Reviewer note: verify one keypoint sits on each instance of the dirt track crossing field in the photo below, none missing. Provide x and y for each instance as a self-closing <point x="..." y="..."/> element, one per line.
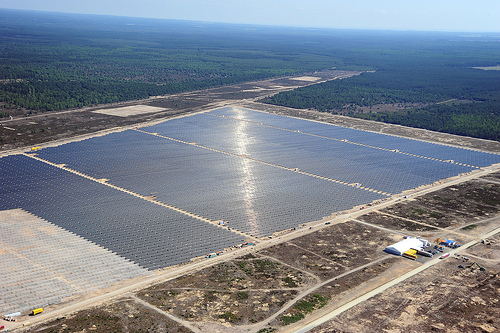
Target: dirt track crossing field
<point x="294" y="278"/>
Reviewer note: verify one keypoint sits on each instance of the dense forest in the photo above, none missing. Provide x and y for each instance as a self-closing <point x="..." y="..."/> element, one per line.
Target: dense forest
<point x="51" y="61"/>
<point x="432" y="86"/>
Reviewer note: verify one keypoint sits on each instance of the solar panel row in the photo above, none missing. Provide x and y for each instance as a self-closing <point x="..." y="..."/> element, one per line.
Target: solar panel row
<point x="253" y="197"/>
<point x="378" y="169"/>
<point x="146" y="233"/>
<point x="421" y="148"/>
<point x="45" y="264"/>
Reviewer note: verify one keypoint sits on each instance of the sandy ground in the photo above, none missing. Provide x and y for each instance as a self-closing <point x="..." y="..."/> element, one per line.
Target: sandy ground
<point x="128" y="111"/>
<point x="306" y="78"/>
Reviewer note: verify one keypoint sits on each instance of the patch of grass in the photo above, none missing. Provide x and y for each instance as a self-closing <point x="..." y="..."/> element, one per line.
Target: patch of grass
<point x="315" y="302"/>
<point x="249" y="256"/>
<point x="418" y="211"/>
<point x="470" y="227"/>
<point x="242" y="295"/>
<point x="289" y="282"/>
<point x="263" y="265"/>
<point x="229" y="316"/>
<point x="290" y="319"/>
<point x="210" y="296"/>
<point x="436" y="215"/>
<point x="303" y="307"/>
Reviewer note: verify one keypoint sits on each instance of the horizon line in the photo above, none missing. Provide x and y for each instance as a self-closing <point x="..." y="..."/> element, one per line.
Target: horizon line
<point x="305" y="27"/>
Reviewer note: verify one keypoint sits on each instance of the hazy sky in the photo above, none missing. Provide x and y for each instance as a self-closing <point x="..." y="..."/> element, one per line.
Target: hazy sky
<point x="440" y="15"/>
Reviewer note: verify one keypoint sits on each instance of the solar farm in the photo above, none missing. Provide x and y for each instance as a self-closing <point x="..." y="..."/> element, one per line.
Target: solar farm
<point x="152" y="197"/>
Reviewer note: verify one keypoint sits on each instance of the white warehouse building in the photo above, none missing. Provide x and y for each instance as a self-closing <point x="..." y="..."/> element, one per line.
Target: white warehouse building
<point x="406" y="244"/>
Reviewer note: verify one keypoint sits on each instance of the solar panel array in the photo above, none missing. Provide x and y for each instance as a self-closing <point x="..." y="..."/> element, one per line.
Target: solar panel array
<point x="253" y="197"/>
<point x="151" y="235"/>
<point x="241" y="169"/>
<point x="421" y="148"/>
<point x="44" y="264"/>
<point x="378" y="169"/>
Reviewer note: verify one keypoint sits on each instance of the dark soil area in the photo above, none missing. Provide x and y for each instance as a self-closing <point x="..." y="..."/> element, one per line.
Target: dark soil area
<point x="333" y="250"/>
<point x="236" y="307"/>
<point x="305" y="260"/>
<point x="349" y="244"/>
<point x="242" y="291"/>
<point x="444" y="298"/>
<point x="495" y="176"/>
<point x="394" y="223"/>
<point x="452" y="206"/>
<point x="415" y="212"/>
<point x="123" y="316"/>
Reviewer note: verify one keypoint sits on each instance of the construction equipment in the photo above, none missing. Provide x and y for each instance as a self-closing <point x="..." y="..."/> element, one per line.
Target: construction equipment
<point x="471" y="266"/>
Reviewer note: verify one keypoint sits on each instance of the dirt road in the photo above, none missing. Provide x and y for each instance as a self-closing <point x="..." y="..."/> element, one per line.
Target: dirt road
<point x="316" y="322"/>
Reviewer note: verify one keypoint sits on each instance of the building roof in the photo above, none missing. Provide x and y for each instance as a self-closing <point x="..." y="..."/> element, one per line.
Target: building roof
<point x="400" y="247"/>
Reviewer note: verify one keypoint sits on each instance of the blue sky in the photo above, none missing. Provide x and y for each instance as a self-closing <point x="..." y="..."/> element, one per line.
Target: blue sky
<point x="429" y="15"/>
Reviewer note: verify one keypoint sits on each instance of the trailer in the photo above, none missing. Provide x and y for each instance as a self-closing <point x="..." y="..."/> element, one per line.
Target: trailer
<point x="410" y="254"/>
<point x="36" y="311"/>
<point x="424" y="253"/>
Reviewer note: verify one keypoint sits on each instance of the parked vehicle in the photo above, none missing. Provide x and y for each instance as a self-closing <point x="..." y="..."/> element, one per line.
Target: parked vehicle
<point x="36" y="311"/>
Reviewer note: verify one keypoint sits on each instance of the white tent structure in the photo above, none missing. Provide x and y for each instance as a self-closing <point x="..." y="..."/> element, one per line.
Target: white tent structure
<point x="401" y="247"/>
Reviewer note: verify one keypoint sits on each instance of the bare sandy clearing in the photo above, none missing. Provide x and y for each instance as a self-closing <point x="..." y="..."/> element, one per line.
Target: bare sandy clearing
<point x="306" y="78"/>
<point x="491" y="68"/>
<point x="131" y="110"/>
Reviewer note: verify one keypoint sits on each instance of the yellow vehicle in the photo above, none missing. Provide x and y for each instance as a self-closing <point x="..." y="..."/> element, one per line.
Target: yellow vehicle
<point x="411" y="254"/>
<point x="36" y="311"/>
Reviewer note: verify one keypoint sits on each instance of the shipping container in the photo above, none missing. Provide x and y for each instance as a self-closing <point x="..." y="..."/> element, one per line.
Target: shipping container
<point x="36" y="311"/>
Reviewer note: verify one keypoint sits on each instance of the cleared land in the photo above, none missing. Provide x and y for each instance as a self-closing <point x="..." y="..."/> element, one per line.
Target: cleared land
<point x="25" y="128"/>
<point x="445" y="298"/>
<point x="303" y="277"/>
<point x="306" y="78"/>
<point x="491" y="68"/>
<point x="293" y="278"/>
<point x="131" y="110"/>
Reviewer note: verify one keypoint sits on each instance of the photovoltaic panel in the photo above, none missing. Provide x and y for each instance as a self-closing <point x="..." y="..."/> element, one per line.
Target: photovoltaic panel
<point x="378" y="169"/>
<point x="252" y="197"/>
<point x="240" y="170"/>
<point x="434" y="150"/>
<point x="146" y="233"/>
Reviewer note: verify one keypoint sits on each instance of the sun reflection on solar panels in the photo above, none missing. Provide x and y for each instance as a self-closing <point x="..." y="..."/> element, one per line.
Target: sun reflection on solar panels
<point x="247" y="184"/>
